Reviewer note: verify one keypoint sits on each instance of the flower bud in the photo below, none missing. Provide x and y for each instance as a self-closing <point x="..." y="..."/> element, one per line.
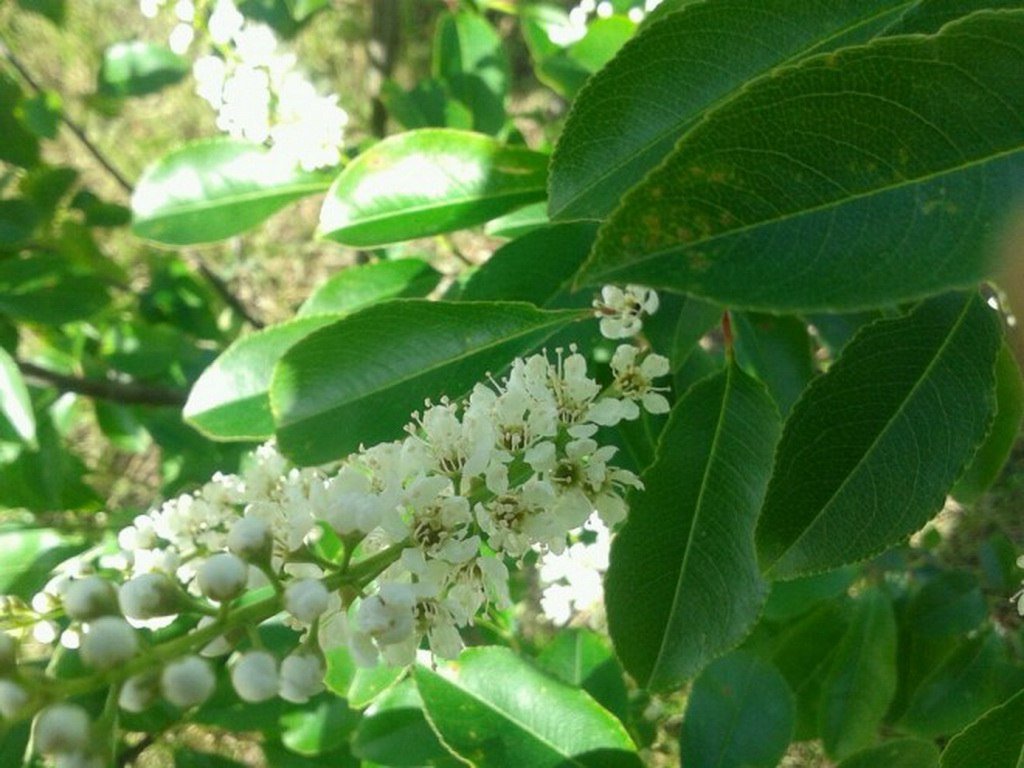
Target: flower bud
<point x="306" y="599"/>
<point x="149" y="596"/>
<point x="222" y="577"/>
<point x="88" y="598"/>
<point x="62" y="728"/>
<point x="250" y="538"/>
<point x="302" y="676"/>
<point x="255" y="677"/>
<point x="139" y="692"/>
<point x="8" y="653"/>
<point x="13" y="699"/>
<point x="110" y="642"/>
<point x="187" y="682"/>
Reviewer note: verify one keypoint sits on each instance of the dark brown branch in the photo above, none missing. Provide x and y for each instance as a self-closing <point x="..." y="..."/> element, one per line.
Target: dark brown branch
<point x="126" y="393"/>
<point x="224" y="291"/>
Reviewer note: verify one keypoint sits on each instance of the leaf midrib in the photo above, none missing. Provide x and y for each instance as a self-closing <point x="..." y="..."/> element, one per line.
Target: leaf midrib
<point x="884" y="431"/>
<point x="586" y="273"/>
<point x="698" y="510"/>
<point x="275" y="404"/>
<point x="712" y="106"/>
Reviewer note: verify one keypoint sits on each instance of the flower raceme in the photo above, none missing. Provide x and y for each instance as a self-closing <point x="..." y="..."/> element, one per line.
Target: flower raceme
<point x="401" y="543"/>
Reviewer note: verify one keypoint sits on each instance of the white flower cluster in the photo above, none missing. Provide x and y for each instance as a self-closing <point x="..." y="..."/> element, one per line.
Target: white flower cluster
<point x="1019" y="597"/>
<point x="257" y="91"/>
<point x="402" y="542"/>
<point x="572" y="581"/>
<point x="574" y="28"/>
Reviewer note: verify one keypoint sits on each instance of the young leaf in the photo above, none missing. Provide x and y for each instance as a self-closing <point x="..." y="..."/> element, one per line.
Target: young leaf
<point x="15" y="405"/>
<point x="898" y="753"/>
<point x="357" y="380"/>
<point x="683" y="585"/>
<point x="995" y="740"/>
<point x="136" y="68"/>
<point x="739" y="715"/>
<point x="993" y="453"/>
<point x="231" y="399"/>
<point x="631" y="114"/>
<point x="213" y="189"/>
<point x="908" y="398"/>
<point x="909" y="199"/>
<point x="360" y="286"/>
<point x="426" y="182"/>
<point x="862" y="678"/>
<point x="494" y="709"/>
<point x="470" y="59"/>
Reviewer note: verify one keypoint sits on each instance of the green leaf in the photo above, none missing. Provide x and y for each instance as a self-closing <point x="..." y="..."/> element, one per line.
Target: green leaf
<point x="974" y="678"/>
<point x="357" y="380"/>
<point x="426" y="182"/>
<point x="951" y="603"/>
<point x="862" y="677"/>
<point x="210" y="190"/>
<point x="584" y="659"/>
<point x="789" y="599"/>
<point x="929" y="16"/>
<point x="359" y="685"/>
<point x="633" y="112"/>
<point x="19" y="146"/>
<point x="995" y="740"/>
<point x="54" y="10"/>
<point x="41" y="113"/>
<point x="778" y="351"/>
<point x="537" y="267"/>
<point x="495" y="710"/>
<point x="15" y="405"/>
<point x="898" y="753"/>
<point x="360" y="286"/>
<point x="993" y="453"/>
<point x="470" y="59"/>
<point x="779" y="201"/>
<point x="231" y="399"/>
<point x="526" y="219"/>
<point x="683" y="585"/>
<point x="908" y="398"/>
<point x="399" y="736"/>
<point x="137" y="68"/>
<point x="18" y="221"/>
<point x="739" y="715"/>
<point x="28" y="557"/>
<point x="320" y="726"/>
<point x="45" y="288"/>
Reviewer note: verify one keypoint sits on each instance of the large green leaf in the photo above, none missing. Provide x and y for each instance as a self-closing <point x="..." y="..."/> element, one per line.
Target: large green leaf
<point x="739" y="715"/>
<point x="862" y="677"/>
<point x="781" y="200"/>
<point x="360" y="286"/>
<point x="213" y="189"/>
<point x="631" y="114"/>
<point x="28" y="557"/>
<point x="683" y="585"/>
<point x="496" y="710"/>
<point x="231" y="399"/>
<point x="136" y="68"/>
<point x="429" y="181"/>
<point x="908" y="398"/>
<point x="777" y="350"/>
<point x="47" y="288"/>
<point x="584" y="659"/>
<point x="357" y="380"/>
<point x="15" y="405"/>
<point x="899" y="753"/>
<point x="470" y="59"/>
<point x="929" y="16"/>
<point x="995" y="740"/>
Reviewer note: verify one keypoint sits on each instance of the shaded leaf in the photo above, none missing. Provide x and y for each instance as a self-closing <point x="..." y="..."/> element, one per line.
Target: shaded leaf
<point x="683" y="585"/>
<point x="137" y="68"/>
<point x="470" y="60"/>
<point x="584" y="659"/>
<point x="778" y="351"/>
<point x="898" y="753"/>
<point x="360" y="286"/>
<point x="909" y="397"/>
<point x="995" y="740"/>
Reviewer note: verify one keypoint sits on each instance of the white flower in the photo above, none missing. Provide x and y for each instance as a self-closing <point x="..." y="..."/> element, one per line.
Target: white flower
<point x="110" y="642"/>
<point x="148" y="596"/>
<point x="138" y="692"/>
<point x="62" y="729"/>
<point x="222" y="577"/>
<point x="622" y="310"/>
<point x="225" y="22"/>
<point x="85" y="599"/>
<point x="255" y="677"/>
<point x="250" y="538"/>
<point x="306" y="599"/>
<point x="302" y="677"/>
<point x="181" y="38"/>
<point x="187" y="682"/>
<point x="184" y="10"/>
<point x="13" y="699"/>
<point x="636" y="381"/>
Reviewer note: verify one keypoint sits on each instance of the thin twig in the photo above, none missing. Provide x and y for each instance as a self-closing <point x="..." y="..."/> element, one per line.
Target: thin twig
<point x="225" y="293"/>
<point x="126" y="393"/>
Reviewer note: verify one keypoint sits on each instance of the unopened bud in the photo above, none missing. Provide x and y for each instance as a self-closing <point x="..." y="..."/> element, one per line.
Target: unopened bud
<point x="61" y="729"/>
<point x="187" y="682"/>
<point x="149" y="596"/>
<point x="306" y="599"/>
<point x="250" y="538"/>
<point x="13" y="699"/>
<point x="302" y="676"/>
<point x="139" y="692"/>
<point x="89" y="598"/>
<point x="255" y="676"/>
<point x="222" y="577"/>
<point x="110" y="642"/>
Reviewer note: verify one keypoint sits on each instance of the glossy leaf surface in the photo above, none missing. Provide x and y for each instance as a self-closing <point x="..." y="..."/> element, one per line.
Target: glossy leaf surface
<point x="360" y="286"/>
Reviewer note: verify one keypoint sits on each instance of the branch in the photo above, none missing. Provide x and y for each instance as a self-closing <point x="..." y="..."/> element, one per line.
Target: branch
<point x="126" y="393"/>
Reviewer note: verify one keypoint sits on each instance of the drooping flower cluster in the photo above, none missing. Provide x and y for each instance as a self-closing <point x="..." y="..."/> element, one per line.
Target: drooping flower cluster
<point x="403" y="542"/>
<point x="258" y="92"/>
